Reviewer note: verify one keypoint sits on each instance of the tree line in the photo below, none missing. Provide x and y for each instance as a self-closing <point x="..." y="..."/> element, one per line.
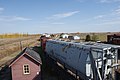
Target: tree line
<point x="16" y="35"/>
<point x="93" y="37"/>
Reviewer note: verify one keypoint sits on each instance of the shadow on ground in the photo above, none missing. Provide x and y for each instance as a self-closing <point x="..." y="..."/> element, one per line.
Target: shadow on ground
<point x="5" y="73"/>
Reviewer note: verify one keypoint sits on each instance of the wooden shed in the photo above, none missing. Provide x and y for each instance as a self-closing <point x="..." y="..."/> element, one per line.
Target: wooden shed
<point x="26" y="66"/>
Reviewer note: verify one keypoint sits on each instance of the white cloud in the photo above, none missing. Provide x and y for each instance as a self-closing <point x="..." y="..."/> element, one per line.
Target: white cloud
<point x="104" y="1"/>
<point x="117" y="11"/>
<point x="99" y="16"/>
<point x="109" y="1"/>
<point x="1" y="10"/>
<point x="56" y="23"/>
<point x="113" y="14"/>
<point x="80" y="0"/>
<point x="63" y="15"/>
<point x="20" y="18"/>
<point x="13" y="18"/>
<point x="112" y="22"/>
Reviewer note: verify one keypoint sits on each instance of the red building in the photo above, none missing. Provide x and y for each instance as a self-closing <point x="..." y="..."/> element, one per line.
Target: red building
<point x="26" y="66"/>
<point x="113" y="39"/>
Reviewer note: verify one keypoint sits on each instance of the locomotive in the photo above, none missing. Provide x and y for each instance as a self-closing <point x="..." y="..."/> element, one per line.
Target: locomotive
<point x="88" y="60"/>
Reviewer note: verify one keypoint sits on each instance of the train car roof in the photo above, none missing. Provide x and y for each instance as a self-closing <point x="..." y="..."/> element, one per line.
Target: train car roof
<point x="93" y="45"/>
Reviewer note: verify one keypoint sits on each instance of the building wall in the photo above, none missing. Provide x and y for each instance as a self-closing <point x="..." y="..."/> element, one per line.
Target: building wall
<point x="17" y="69"/>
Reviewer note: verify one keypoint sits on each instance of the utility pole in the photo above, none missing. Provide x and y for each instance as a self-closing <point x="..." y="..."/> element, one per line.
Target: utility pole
<point x="21" y="45"/>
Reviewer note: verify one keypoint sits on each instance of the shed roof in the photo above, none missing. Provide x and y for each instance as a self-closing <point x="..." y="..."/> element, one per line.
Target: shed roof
<point x="30" y="53"/>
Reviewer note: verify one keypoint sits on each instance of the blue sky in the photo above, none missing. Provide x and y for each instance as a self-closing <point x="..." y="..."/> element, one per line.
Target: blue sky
<point x="52" y="16"/>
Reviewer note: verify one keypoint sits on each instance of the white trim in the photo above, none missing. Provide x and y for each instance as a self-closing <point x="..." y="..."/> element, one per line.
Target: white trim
<point x="24" y="70"/>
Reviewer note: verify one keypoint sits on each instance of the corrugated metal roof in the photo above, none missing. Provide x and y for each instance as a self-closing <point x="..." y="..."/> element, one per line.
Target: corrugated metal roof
<point x="87" y="44"/>
<point x="34" y="54"/>
<point x="29" y="52"/>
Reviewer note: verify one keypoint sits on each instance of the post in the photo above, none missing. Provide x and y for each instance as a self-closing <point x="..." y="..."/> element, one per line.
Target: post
<point x="21" y="45"/>
<point x="103" y="64"/>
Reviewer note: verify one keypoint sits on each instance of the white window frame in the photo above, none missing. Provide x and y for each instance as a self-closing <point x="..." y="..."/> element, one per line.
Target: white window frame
<point x="24" y="69"/>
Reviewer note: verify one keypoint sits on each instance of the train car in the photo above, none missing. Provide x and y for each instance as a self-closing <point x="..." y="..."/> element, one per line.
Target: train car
<point x="87" y="60"/>
<point x="43" y="40"/>
<point x="113" y="39"/>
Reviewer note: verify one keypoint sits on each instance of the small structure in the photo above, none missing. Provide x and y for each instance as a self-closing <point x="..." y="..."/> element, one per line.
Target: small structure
<point x="76" y="37"/>
<point x="26" y="66"/>
<point x="73" y="37"/>
<point x="46" y="35"/>
<point x="70" y="37"/>
<point x="64" y="35"/>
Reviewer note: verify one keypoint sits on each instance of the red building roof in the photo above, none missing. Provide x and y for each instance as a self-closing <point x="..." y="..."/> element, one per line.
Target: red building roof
<point x="30" y="53"/>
